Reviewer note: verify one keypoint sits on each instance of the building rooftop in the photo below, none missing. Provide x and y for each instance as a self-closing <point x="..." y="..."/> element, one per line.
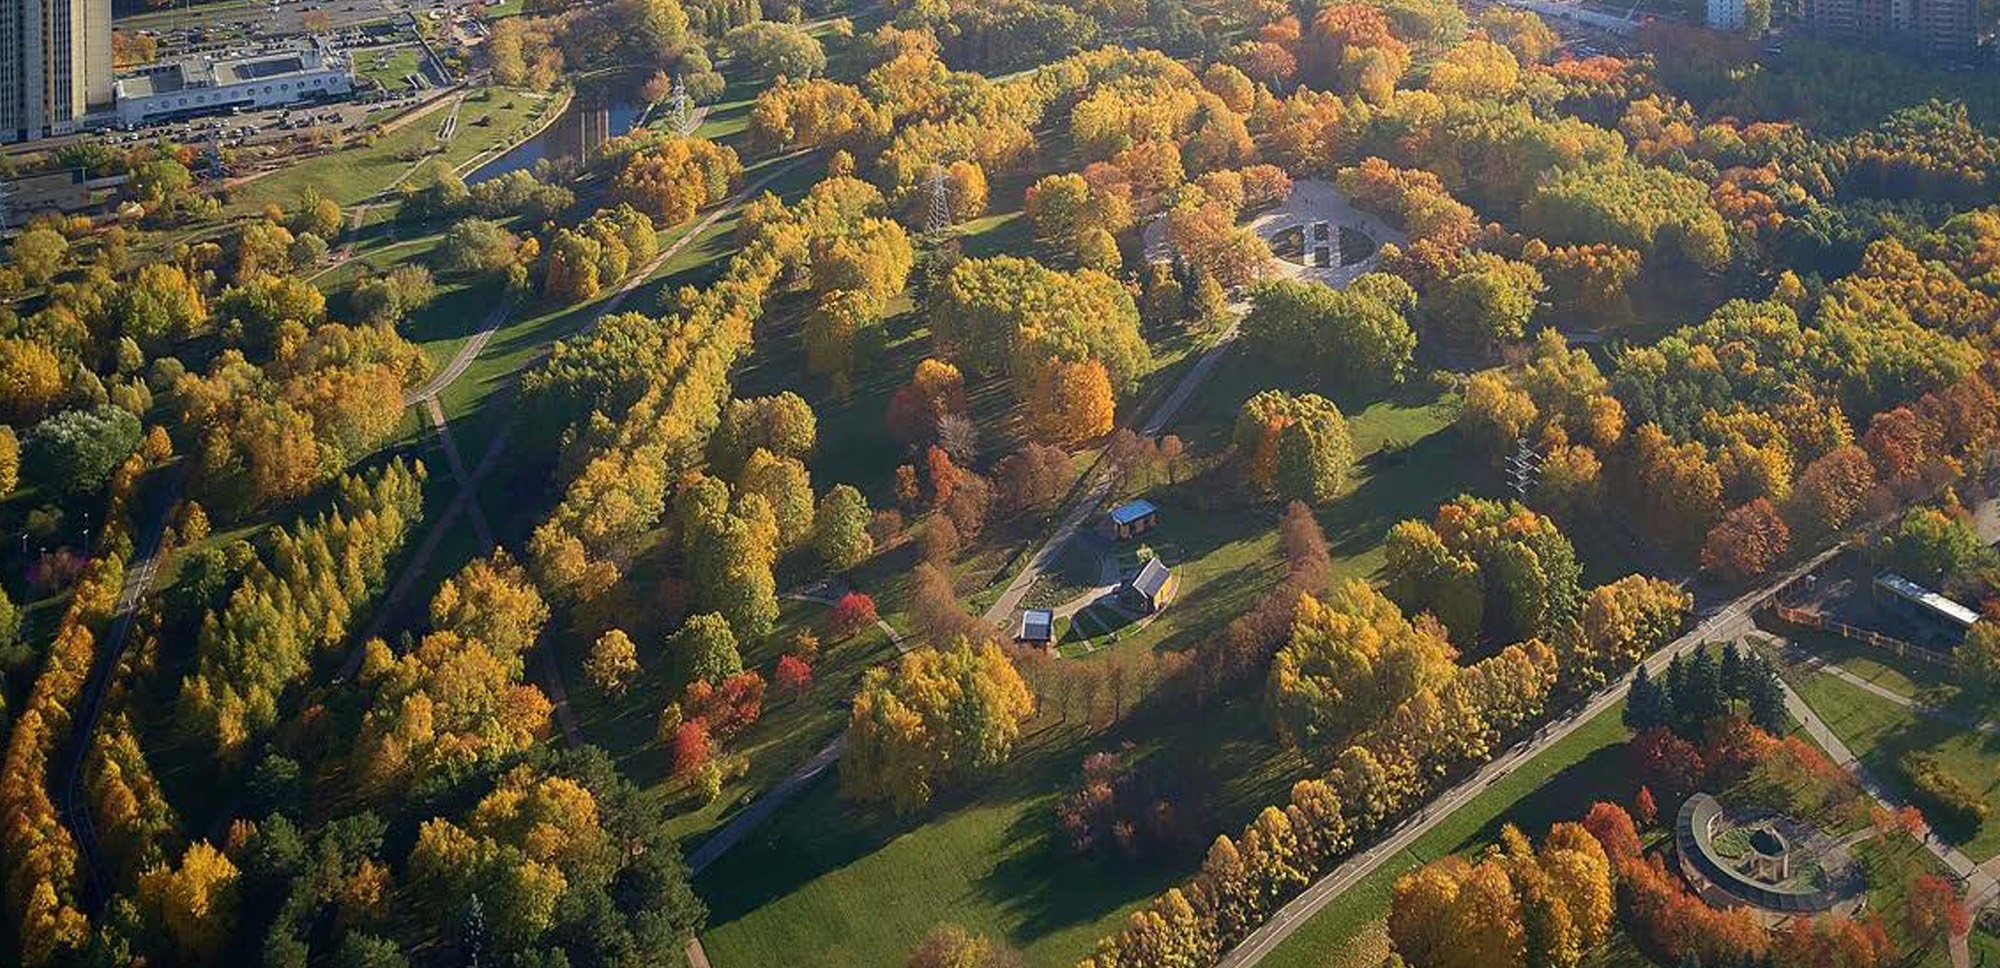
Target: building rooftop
<point x="1151" y="578"/>
<point x="1037" y="625"/>
<point x="1944" y="607"/>
<point x="208" y="70"/>
<point x="1132" y="511"/>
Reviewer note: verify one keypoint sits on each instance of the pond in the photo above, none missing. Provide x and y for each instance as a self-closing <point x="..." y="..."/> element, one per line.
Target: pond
<point x="595" y="115"/>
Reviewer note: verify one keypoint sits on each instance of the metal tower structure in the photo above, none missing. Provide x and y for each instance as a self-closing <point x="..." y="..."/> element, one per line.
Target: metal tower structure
<point x="938" y="217"/>
<point x="6" y="212"/>
<point x="680" y="109"/>
<point x="1522" y="468"/>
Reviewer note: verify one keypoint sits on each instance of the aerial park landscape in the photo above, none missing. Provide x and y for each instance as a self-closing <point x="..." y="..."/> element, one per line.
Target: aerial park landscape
<point x="999" y="484"/>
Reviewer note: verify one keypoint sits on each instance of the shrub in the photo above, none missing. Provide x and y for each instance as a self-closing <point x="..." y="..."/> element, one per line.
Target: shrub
<point x="1943" y="799"/>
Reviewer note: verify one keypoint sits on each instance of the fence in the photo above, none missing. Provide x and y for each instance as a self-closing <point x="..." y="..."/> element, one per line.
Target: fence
<point x="1894" y="646"/>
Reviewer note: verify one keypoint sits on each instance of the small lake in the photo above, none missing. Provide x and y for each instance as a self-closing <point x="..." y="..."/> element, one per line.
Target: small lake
<point x="595" y="115"/>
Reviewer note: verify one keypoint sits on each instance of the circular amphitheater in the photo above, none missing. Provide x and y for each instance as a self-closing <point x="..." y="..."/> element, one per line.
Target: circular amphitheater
<point x="1315" y="234"/>
<point x="1780" y="866"/>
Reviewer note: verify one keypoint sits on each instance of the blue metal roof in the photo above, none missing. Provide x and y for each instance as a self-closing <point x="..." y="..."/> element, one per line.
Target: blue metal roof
<point x="1133" y="511"/>
<point x="1037" y="625"/>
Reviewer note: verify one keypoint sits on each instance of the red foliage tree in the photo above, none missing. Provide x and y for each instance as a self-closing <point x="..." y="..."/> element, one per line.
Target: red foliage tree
<point x="1644" y="809"/>
<point x="1747" y="542"/>
<point x="942" y="473"/>
<point x="1667" y="763"/>
<point x="1932" y="910"/>
<point x="692" y="747"/>
<point x="1613" y="828"/>
<point x="794" y="677"/>
<point x="728" y="708"/>
<point x="1664" y="916"/>
<point x="851" y="614"/>
<point x="1837" y="941"/>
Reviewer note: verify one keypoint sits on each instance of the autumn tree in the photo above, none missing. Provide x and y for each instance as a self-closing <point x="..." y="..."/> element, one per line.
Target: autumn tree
<point x="1070" y="403"/>
<point x="851" y="614"/>
<point x="674" y="178"/>
<point x="950" y="946"/>
<point x="1622" y="623"/>
<point x="936" y="390"/>
<point x="612" y="662"/>
<point x="197" y="902"/>
<point x="1491" y="571"/>
<point x="1297" y="446"/>
<point x="1011" y="315"/>
<point x="941" y="717"/>
<point x="782" y="424"/>
<point x="1517" y="906"/>
<point x="1747" y="543"/>
<point x="1348" y="662"/>
<point x="793" y="677"/>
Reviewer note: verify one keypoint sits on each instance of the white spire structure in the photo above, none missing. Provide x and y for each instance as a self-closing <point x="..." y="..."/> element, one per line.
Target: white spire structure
<point x="1522" y="468"/>
<point x="938" y="217"/>
<point x="680" y="109"/>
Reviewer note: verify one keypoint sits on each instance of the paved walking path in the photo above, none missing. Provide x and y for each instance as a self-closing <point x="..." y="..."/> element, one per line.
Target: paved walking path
<point x="71" y="804"/>
<point x="1979" y="885"/>
<point x="762" y="809"/>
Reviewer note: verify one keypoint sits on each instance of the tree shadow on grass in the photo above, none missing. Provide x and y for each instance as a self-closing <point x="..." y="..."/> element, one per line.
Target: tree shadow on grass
<point x="1047" y="887"/>
<point x="1408" y="483"/>
<point x="1605" y="775"/>
<point x="456" y="312"/>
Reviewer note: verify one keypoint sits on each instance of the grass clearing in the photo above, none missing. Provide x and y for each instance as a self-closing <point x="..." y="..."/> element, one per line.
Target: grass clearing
<point x="828" y="883"/>
<point x="490" y="117"/>
<point x="1880" y="731"/>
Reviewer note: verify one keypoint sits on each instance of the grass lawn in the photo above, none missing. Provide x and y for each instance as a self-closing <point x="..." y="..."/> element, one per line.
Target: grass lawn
<point x="1558" y="785"/>
<point x="1879" y="731"/>
<point x="1891" y="863"/>
<point x="489" y="118"/>
<point x="389" y="69"/>
<point x="828" y="883"/>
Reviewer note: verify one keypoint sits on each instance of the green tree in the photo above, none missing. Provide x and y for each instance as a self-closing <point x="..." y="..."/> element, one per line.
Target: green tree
<point x="704" y="649"/>
<point x="1314" y="457"/>
<point x="1935" y="549"/>
<point x="1347" y="335"/>
<point x="74" y="452"/>
<point x="772" y="50"/>
<point x="840" y="529"/>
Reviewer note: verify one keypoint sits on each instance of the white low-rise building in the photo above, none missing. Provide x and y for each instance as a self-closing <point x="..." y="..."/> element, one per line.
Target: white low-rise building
<point x="211" y="85"/>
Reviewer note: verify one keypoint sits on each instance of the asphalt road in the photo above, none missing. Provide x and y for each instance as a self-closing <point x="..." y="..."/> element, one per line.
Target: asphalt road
<point x="1729" y="621"/>
<point x="70" y="802"/>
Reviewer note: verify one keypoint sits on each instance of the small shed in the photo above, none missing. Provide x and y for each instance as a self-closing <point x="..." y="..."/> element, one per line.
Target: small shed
<point x="1038" y="627"/>
<point x="1153" y="587"/>
<point x="1131" y="519"/>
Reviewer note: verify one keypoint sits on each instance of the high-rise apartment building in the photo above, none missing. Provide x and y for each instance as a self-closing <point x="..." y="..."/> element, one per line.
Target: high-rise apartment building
<point x="1943" y="30"/>
<point x="55" y="65"/>
<point x="1725" y="14"/>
